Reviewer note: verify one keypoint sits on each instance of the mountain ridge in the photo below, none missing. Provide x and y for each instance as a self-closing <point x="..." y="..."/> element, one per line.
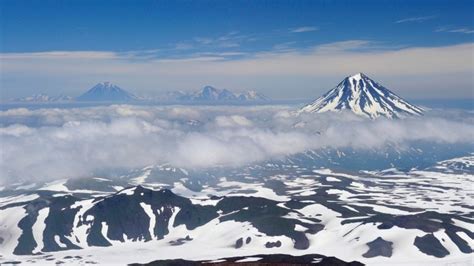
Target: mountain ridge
<point x="43" y="98"/>
<point x="210" y="93"/>
<point x="109" y="92"/>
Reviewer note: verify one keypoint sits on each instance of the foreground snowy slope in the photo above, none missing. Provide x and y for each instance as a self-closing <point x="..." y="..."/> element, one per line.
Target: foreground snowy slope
<point x="363" y="96"/>
<point x="415" y="217"/>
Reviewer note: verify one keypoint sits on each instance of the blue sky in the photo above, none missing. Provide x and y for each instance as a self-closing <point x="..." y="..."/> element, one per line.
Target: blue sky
<point x="41" y="41"/>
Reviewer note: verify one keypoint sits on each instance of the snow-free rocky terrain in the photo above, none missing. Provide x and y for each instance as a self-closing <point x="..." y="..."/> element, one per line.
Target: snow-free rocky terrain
<point x="418" y="217"/>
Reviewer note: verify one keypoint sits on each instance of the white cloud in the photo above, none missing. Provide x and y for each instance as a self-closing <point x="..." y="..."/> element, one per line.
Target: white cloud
<point x="304" y="29"/>
<point x="415" y="19"/>
<point x="61" y="55"/>
<point x="464" y="30"/>
<point x="232" y="121"/>
<point x="58" y="143"/>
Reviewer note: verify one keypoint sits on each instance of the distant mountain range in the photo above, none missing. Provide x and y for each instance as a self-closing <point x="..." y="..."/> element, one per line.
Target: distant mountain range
<point x="357" y="93"/>
<point x="209" y="93"/>
<point x="108" y="92"/>
<point x="362" y="96"/>
<point x="44" y="98"/>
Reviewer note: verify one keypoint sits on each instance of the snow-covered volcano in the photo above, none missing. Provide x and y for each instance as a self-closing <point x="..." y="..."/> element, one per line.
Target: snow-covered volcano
<point x="106" y="91"/>
<point x="365" y="97"/>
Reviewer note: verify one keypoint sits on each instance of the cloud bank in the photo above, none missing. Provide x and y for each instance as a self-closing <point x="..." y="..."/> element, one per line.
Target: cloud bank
<point x="60" y="143"/>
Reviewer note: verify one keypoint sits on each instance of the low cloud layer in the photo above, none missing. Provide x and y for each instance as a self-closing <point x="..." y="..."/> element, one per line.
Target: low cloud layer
<point x="60" y="143"/>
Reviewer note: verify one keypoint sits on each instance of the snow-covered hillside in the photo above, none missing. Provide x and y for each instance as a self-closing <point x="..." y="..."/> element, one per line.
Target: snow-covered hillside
<point x="418" y="217"/>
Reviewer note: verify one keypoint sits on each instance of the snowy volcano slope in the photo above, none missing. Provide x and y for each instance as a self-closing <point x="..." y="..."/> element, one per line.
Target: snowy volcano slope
<point x="419" y="217"/>
<point x="363" y="96"/>
<point x="106" y="91"/>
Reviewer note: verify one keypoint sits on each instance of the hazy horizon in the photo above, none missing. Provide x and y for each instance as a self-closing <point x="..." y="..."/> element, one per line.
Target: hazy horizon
<point x="284" y="50"/>
<point x="158" y="93"/>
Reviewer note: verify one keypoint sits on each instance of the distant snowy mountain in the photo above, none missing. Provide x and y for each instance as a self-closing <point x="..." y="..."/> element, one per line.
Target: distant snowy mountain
<point x="209" y="93"/>
<point x="43" y="98"/>
<point x="106" y="91"/>
<point x="365" y="97"/>
<point x="252" y="95"/>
